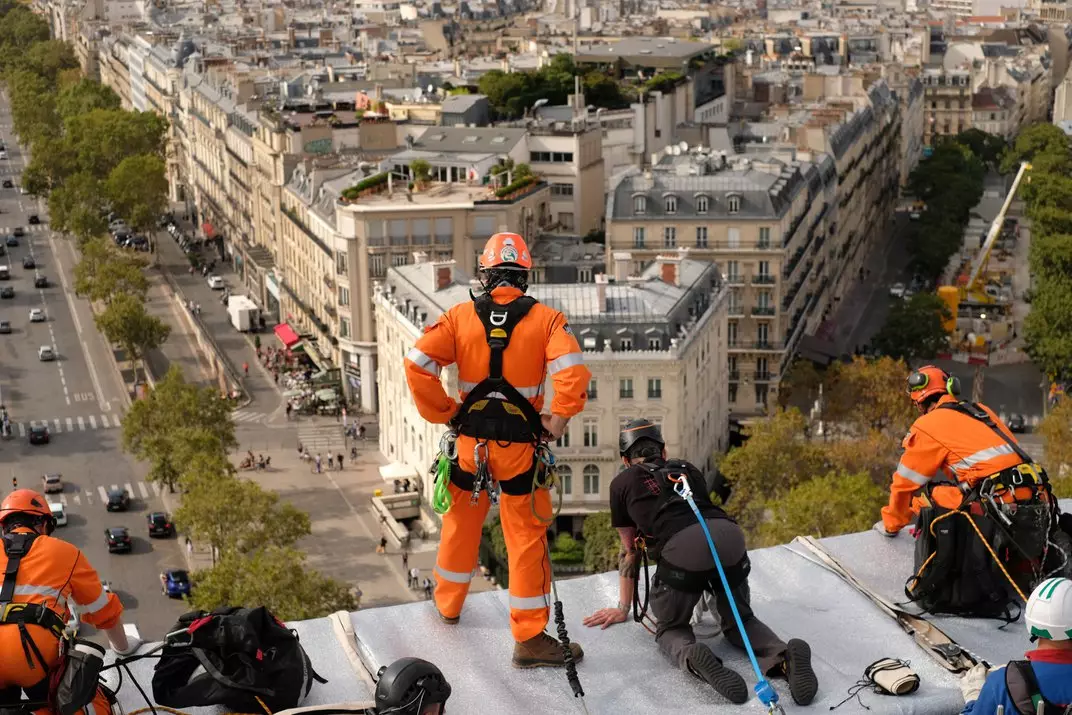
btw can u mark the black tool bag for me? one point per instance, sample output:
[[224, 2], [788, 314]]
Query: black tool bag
[[955, 572], [244, 659], [75, 681]]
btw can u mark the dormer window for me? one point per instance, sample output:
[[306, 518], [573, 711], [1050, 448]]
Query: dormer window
[[702, 204], [670, 203], [733, 203], [640, 205]]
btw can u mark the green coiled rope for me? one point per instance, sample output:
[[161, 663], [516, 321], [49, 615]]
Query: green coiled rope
[[441, 499]]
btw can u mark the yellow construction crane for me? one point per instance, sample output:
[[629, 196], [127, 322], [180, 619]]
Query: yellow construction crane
[[974, 290]]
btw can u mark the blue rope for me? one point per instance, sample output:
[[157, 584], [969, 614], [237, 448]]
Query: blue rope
[[764, 690]]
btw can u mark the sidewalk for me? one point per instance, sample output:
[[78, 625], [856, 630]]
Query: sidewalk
[[237, 349], [181, 346]]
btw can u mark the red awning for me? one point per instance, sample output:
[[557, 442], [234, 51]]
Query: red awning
[[286, 335], [208, 230]]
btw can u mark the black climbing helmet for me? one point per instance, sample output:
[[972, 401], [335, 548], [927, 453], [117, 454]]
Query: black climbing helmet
[[408, 685], [636, 430]]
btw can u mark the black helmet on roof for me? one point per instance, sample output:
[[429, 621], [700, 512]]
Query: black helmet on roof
[[408, 685], [636, 430]]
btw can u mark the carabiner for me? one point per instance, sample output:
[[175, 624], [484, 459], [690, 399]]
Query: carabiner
[[448, 445], [682, 489], [775, 709], [170, 638]]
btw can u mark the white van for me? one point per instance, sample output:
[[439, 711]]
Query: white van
[[58, 513], [5, 273]]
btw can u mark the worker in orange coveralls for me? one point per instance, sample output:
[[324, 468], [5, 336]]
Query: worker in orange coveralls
[[41, 576], [505, 345]]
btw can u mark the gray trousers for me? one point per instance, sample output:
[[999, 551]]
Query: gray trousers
[[673, 609]]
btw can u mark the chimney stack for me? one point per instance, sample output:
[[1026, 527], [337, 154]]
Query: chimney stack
[[444, 275], [420, 257], [670, 269], [601, 291], [623, 264]]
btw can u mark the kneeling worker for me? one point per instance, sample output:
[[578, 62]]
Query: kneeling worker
[[40, 576], [1045, 678], [643, 504]]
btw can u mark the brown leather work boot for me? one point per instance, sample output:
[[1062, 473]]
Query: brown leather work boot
[[449, 620], [543, 651]]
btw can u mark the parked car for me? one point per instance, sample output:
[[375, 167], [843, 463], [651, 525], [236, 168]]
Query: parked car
[[1017, 423], [897, 290], [5, 327], [37, 315], [58, 513], [118, 538], [9, 184], [160, 524], [34, 219], [39, 434], [45, 353], [215, 283], [175, 583], [118, 500], [52, 483]]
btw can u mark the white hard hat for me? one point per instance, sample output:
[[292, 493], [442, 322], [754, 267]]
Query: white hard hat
[[1049, 610]]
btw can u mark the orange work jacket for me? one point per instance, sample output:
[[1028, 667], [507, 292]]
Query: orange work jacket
[[947, 444], [542, 345], [56, 575]]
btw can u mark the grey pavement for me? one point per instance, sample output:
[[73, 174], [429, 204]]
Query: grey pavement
[[82, 398], [181, 346], [236, 347]]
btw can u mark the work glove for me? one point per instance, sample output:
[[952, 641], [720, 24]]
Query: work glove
[[972, 682], [881, 528], [133, 643]]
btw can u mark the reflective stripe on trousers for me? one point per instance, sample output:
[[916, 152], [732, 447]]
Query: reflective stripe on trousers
[[529, 603], [453, 576]]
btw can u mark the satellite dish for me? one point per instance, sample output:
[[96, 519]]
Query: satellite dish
[[430, 90], [668, 151], [676, 151], [683, 146]]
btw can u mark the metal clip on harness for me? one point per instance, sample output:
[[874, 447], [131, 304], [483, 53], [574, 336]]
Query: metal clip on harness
[[764, 690], [448, 454], [483, 479]]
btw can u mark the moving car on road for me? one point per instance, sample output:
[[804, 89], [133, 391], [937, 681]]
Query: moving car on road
[[1017, 423], [175, 583], [160, 524], [5, 327], [12, 240], [39, 434], [58, 513], [40, 281], [897, 290], [18, 232], [9, 184], [118, 538], [7, 292], [45, 353], [215, 283], [29, 262], [52, 483], [37, 315], [34, 219], [118, 500]]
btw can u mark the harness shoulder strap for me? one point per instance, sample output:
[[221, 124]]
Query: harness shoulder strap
[[1024, 690], [499, 322], [977, 413], [15, 546]]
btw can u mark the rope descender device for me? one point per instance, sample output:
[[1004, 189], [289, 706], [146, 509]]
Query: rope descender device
[[483, 479], [764, 690]]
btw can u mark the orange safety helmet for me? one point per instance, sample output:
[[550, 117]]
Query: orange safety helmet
[[928, 381], [506, 250], [24, 501]]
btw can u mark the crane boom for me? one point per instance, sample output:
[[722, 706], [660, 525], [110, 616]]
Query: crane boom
[[981, 259]]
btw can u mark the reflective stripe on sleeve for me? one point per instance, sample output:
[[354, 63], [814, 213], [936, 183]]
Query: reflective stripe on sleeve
[[530, 603], [423, 361], [527, 392], [48, 591], [100, 602], [912, 475], [983, 455], [561, 363], [453, 576]]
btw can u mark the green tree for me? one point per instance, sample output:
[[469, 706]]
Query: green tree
[[421, 170], [800, 386], [47, 59], [21, 29], [76, 206], [138, 189], [601, 543], [33, 106], [1051, 255], [886, 408], [233, 514], [126, 323], [567, 550], [176, 423], [1048, 327], [274, 577], [84, 96], [987, 147], [914, 328], [828, 505], [106, 273], [1056, 431], [1037, 140], [101, 139]]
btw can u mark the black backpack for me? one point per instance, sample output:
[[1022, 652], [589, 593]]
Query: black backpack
[[1024, 691], [251, 663]]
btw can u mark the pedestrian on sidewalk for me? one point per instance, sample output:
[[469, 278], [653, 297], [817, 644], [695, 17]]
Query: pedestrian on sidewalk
[[189, 546], [414, 577], [318, 462], [353, 454], [405, 559], [14, 483], [382, 548], [275, 376], [245, 368], [361, 433], [339, 457], [290, 408], [427, 588], [331, 461]]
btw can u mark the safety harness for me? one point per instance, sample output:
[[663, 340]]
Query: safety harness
[[964, 555], [16, 546], [1023, 688]]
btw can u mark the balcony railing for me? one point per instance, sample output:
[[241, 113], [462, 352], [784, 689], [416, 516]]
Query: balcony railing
[[763, 279], [304, 229], [735, 375], [735, 279], [763, 310], [735, 311], [761, 376]]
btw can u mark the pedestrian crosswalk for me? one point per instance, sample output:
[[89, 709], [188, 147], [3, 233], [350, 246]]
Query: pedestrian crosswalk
[[1029, 420], [99, 495], [59, 425], [248, 416], [29, 228], [316, 437]]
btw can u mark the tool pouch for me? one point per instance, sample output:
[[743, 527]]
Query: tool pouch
[[76, 678], [892, 677]]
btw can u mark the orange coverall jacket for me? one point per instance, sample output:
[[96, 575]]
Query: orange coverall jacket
[[541, 345], [944, 440], [55, 574]]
